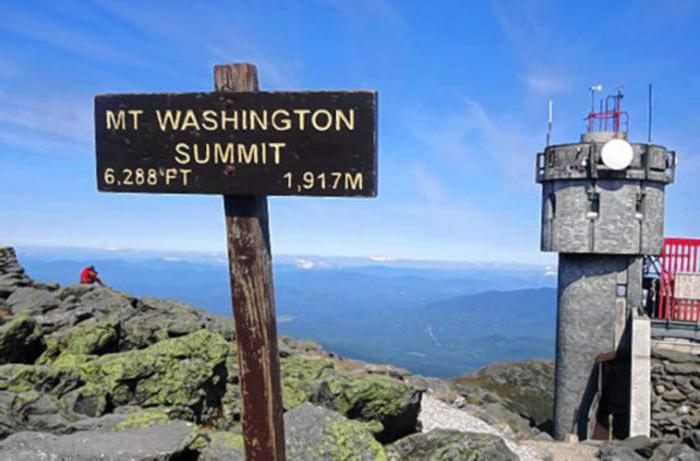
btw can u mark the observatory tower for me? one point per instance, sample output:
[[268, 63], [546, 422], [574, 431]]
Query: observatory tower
[[602, 211]]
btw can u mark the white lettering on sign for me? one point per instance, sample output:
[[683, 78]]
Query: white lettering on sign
[[687, 285]]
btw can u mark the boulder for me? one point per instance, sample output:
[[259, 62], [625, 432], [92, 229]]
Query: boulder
[[187, 374], [526, 388], [33, 301], [317, 434], [222, 446], [675, 452], [154, 443], [54, 380], [368, 397], [441, 444], [20, 340], [631, 449], [33, 411], [393, 403]]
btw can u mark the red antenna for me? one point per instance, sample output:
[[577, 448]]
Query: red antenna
[[610, 118]]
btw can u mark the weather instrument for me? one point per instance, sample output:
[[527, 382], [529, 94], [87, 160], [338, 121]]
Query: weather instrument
[[617, 154]]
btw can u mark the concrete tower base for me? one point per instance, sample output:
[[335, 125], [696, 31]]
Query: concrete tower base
[[595, 294]]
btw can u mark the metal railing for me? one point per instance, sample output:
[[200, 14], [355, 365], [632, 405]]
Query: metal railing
[[679, 262]]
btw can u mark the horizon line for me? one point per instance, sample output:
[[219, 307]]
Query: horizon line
[[375, 259]]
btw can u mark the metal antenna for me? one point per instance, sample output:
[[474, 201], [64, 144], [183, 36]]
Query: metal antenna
[[549, 120], [649, 112]]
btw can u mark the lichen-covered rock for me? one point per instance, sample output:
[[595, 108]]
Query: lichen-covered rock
[[23, 378], [444, 445], [89, 400], [92, 337], [221, 446], [20, 340], [392, 402], [317, 434], [186, 373], [301, 378]]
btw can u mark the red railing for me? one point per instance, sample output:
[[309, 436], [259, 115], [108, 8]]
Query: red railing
[[677, 255]]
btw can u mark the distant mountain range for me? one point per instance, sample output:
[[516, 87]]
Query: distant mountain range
[[437, 320]]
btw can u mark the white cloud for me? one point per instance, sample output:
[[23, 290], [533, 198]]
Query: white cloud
[[304, 264], [381, 259], [50, 123], [547, 84]]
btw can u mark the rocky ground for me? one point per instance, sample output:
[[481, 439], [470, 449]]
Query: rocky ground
[[92, 373]]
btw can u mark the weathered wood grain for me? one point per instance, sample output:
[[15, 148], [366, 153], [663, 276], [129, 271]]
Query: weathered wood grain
[[253, 302]]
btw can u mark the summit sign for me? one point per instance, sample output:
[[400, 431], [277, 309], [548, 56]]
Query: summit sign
[[243, 143]]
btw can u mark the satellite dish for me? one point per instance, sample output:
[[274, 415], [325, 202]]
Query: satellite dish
[[617, 154]]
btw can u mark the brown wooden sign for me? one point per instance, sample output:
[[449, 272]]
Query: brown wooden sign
[[252, 143], [244, 145]]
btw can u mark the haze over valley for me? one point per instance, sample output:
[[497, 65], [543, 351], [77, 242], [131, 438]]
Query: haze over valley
[[433, 318]]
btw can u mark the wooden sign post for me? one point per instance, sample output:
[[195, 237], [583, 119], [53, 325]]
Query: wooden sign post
[[244, 145]]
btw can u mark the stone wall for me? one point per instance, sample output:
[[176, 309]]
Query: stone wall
[[675, 393]]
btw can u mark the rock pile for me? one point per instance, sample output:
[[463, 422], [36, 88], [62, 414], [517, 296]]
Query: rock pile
[[87, 372]]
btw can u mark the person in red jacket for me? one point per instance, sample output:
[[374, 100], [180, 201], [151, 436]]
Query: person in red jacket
[[89, 276]]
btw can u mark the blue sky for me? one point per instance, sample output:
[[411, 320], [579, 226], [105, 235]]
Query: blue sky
[[463, 89]]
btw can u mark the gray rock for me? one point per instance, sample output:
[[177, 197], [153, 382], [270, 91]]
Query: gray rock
[[222, 447], [692, 439], [687, 368], [674, 395], [217, 452], [103, 423], [674, 356], [439, 387], [32, 411], [440, 444], [32, 300], [631, 449], [316, 434], [674, 452], [20, 340], [154, 443], [388, 370]]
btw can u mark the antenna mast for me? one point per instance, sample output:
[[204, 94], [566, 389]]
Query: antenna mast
[[550, 107], [649, 110]]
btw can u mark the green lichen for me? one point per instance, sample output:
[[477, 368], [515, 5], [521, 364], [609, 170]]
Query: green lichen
[[298, 377], [21, 378], [90, 400], [169, 373], [91, 337], [225, 439], [141, 419], [51, 352], [71, 361], [374, 396], [349, 440]]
